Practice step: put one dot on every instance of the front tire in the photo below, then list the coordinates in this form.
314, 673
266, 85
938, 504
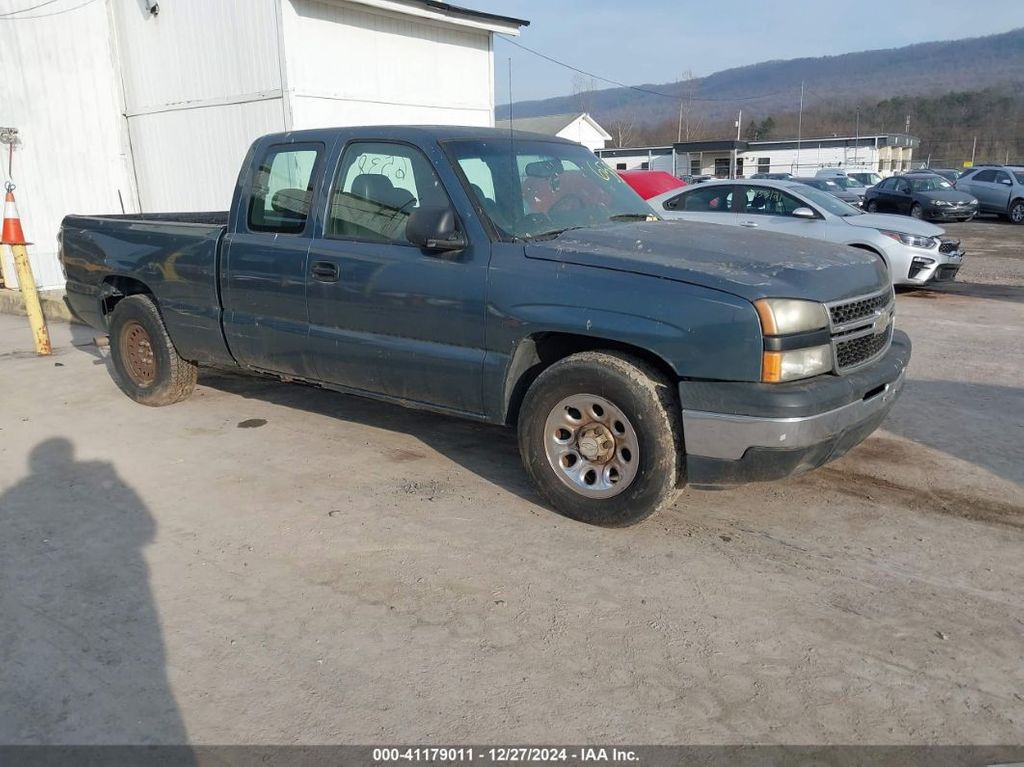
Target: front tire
872, 207
1016, 213
600, 435
916, 211
146, 366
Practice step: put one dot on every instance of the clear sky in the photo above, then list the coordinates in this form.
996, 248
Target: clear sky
656, 41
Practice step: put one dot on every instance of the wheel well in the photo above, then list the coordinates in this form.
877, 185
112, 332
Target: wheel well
116, 287
870, 249
536, 353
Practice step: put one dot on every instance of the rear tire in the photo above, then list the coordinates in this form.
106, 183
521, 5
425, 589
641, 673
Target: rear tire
916, 211
600, 435
146, 366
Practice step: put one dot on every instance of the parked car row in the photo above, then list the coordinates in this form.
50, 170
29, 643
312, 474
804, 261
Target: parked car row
915, 252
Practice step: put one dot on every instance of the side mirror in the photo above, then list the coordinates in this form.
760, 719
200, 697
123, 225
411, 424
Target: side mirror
434, 228
1006, 181
803, 213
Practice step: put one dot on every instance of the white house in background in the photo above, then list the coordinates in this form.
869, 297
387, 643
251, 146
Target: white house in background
579, 127
884, 153
129, 105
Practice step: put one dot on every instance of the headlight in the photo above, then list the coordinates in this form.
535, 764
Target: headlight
777, 367
913, 240
782, 316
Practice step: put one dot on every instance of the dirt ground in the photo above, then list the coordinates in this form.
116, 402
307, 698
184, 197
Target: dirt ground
267, 563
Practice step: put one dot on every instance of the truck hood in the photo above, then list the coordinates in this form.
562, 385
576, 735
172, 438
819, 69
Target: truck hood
751, 265
904, 224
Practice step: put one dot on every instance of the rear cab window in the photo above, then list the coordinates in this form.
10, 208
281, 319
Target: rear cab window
281, 188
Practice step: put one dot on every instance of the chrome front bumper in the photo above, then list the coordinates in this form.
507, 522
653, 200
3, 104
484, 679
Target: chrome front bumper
728, 437
746, 432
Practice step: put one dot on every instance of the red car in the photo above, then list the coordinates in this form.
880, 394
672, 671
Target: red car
650, 183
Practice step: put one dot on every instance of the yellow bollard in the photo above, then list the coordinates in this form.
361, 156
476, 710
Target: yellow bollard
13, 236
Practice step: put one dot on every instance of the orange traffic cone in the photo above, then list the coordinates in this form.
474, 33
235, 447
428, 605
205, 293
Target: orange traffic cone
13, 235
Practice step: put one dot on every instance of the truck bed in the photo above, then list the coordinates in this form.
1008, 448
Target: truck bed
174, 256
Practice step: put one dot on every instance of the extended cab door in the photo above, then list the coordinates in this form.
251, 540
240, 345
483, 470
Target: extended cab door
264, 268
385, 316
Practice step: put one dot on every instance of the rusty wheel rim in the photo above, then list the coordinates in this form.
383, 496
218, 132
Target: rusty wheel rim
137, 353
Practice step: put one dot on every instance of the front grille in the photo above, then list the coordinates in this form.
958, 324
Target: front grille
949, 246
947, 272
858, 308
859, 350
861, 329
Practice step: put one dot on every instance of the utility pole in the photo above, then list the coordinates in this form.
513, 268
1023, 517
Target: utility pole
974, 148
735, 150
856, 141
799, 127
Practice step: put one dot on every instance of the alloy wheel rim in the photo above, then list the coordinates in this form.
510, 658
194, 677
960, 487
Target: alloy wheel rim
591, 446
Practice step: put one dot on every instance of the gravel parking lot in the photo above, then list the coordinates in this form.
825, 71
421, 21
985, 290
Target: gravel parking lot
268, 563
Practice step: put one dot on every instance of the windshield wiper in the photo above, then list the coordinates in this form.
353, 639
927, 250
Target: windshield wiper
633, 217
550, 234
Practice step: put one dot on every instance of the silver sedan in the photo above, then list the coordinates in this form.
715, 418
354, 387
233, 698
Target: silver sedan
916, 252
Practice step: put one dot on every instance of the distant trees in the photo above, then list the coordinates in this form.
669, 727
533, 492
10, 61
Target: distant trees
761, 131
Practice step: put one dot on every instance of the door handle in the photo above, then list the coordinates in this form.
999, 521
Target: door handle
749, 224
324, 271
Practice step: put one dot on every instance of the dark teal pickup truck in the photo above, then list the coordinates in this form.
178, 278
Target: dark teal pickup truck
510, 278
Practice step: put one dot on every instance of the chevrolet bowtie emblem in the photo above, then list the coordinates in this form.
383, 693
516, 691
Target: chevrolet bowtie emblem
881, 323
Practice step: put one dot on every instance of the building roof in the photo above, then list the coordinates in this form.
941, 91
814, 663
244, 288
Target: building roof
551, 124
723, 145
458, 11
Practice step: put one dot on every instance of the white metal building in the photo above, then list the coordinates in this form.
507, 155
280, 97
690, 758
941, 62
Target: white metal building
126, 104
579, 127
884, 153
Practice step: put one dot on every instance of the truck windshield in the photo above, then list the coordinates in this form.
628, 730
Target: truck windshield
535, 189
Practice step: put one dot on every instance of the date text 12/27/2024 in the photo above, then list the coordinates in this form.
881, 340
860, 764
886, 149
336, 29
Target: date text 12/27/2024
503, 754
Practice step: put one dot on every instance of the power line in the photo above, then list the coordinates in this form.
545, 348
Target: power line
8, 17
636, 88
26, 10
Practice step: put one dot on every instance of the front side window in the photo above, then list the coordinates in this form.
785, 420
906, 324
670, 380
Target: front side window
984, 175
377, 187
282, 188
1002, 177
768, 202
902, 186
546, 188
